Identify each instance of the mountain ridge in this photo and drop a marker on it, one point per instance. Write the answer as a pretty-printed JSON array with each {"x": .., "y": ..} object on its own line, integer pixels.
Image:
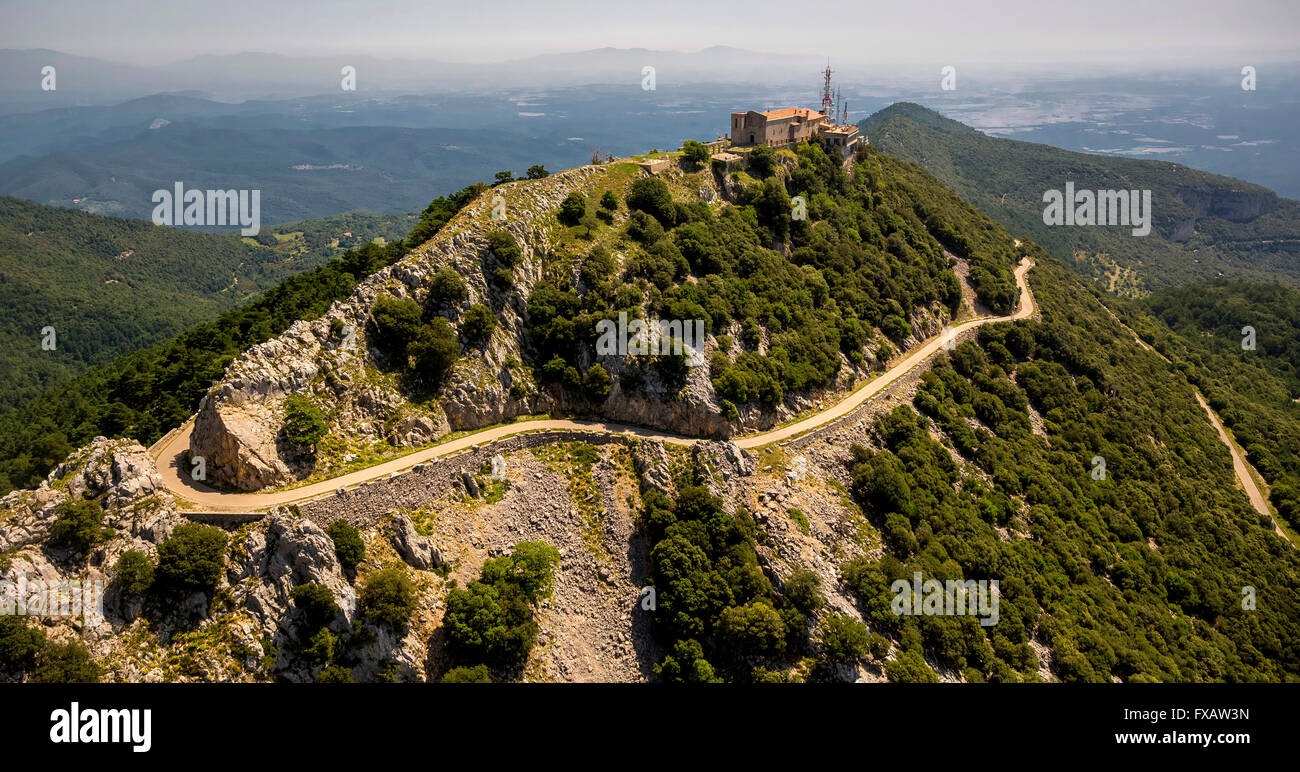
[{"x": 1206, "y": 225}]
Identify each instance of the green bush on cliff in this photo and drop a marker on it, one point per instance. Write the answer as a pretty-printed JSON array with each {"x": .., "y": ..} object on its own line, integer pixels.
[
  {"x": 348, "y": 546},
  {"x": 304, "y": 423},
  {"x": 191, "y": 560}
]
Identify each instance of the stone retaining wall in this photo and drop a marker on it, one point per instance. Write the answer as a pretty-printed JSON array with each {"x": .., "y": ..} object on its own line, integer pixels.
[{"x": 225, "y": 519}]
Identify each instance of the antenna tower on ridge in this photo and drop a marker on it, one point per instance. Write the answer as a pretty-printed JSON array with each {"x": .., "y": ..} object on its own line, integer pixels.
[{"x": 828, "y": 103}]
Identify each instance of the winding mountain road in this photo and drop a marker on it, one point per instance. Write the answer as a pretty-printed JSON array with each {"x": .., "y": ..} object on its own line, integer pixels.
[{"x": 170, "y": 451}]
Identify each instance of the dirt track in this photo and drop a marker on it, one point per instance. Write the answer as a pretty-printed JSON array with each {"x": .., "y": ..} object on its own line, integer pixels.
[{"x": 170, "y": 451}]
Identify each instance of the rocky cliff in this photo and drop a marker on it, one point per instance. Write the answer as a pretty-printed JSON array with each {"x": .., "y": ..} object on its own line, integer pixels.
[{"x": 1230, "y": 204}]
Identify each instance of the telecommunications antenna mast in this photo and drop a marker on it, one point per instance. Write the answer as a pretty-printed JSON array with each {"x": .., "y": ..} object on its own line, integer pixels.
[{"x": 828, "y": 103}]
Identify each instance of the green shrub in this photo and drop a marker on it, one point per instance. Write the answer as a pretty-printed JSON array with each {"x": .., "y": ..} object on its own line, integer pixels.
[
  {"x": 752, "y": 630},
  {"x": 644, "y": 228},
  {"x": 316, "y": 602},
  {"x": 652, "y": 196},
  {"x": 908, "y": 667},
  {"x": 844, "y": 639},
  {"x": 478, "y": 674},
  {"x": 335, "y": 674},
  {"x": 609, "y": 201},
  {"x": 803, "y": 588},
  {"x": 530, "y": 566},
  {"x": 397, "y": 322},
  {"x": 477, "y": 324},
  {"x": 895, "y": 328},
  {"x": 435, "y": 349},
  {"x": 320, "y": 647},
  {"x": 686, "y": 664},
  {"x": 762, "y": 161},
  {"x": 572, "y": 208},
  {"x": 191, "y": 560},
  {"x": 66, "y": 663},
  {"x": 598, "y": 267},
  {"x": 388, "y": 598},
  {"x": 801, "y": 520},
  {"x": 491, "y": 620},
  {"x": 491, "y": 623},
  {"x": 695, "y": 152},
  {"x": 596, "y": 383},
  {"x": 304, "y": 423},
  {"x": 78, "y": 525},
  {"x": 505, "y": 247},
  {"x": 448, "y": 286},
  {"x": 348, "y": 546},
  {"x": 134, "y": 572},
  {"x": 20, "y": 644}
]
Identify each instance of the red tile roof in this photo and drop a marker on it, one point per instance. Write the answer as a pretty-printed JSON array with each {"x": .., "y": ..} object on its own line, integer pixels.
[{"x": 789, "y": 112}]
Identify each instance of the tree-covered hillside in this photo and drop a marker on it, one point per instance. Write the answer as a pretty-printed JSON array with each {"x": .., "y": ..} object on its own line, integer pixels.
[
  {"x": 109, "y": 286},
  {"x": 1156, "y": 570},
  {"x": 1240, "y": 344},
  {"x": 784, "y": 296},
  {"x": 147, "y": 392},
  {"x": 1205, "y": 225}
]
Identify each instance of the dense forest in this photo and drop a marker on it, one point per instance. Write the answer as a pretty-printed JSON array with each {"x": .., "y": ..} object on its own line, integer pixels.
[
  {"x": 870, "y": 252},
  {"x": 1142, "y": 575},
  {"x": 1240, "y": 344},
  {"x": 109, "y": 286},
  {"x": 147, "y": 392}
]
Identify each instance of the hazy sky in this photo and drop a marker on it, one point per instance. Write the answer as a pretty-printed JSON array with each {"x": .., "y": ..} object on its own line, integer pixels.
[{"x": 1155, "y": 31}]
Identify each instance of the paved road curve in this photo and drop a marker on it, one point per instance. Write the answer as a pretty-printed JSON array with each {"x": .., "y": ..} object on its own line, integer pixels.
[{"x": 170, "y": 451}]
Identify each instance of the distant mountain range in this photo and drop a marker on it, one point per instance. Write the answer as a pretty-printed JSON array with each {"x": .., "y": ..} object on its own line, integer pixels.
[
  {"x": 85, "y": 81},
  {"x": 1205, "y": 225}
]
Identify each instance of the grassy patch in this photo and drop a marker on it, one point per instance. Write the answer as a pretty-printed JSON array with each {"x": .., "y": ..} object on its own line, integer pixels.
[
  {"x": 772, "y": 460},
  {"x": 801, "y": 519}
]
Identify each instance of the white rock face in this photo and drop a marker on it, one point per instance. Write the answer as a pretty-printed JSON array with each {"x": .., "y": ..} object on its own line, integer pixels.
[
  {"x": 275, "y": 559},
  {"x": 237, "y": 429}
]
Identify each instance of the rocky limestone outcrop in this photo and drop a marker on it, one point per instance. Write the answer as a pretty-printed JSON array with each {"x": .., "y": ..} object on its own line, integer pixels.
[
  {"x": 333, "y": 361},
  {"x": 120, "y": 474},
  {"x": 137, "y": 512},
  {"x": 221, "y": 635},
  {"x": 1234, "y": 205},
  {"x": 418, "y": 551},
  {"x": 653, "y": 466},
  {"x": 284, "y": 553}
]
